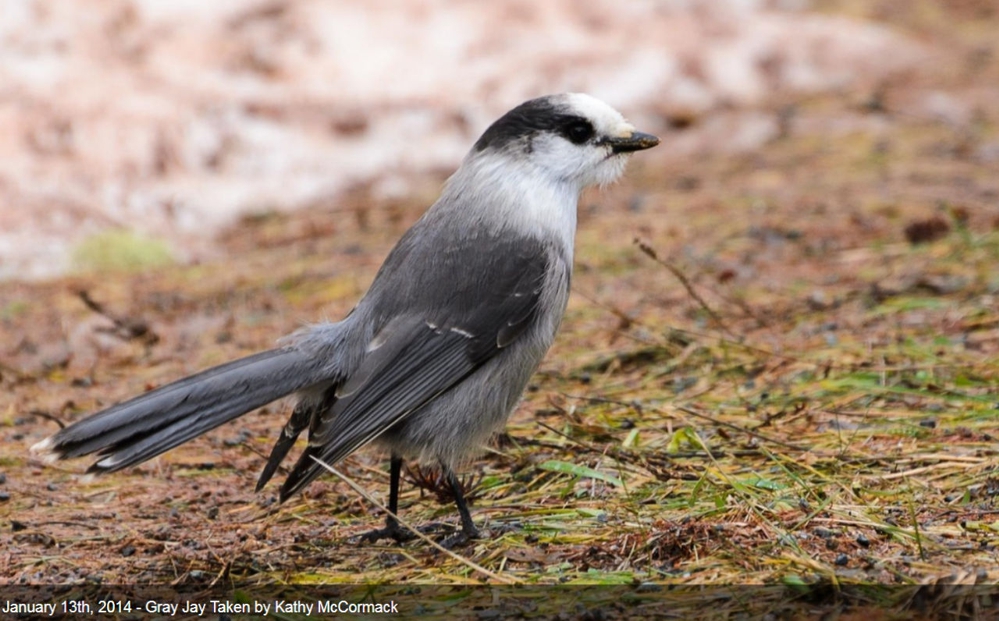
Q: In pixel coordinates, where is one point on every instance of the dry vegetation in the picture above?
(791, 380)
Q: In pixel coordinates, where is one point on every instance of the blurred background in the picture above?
(815, 292)
(172, 120)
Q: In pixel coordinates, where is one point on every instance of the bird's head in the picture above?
(571, 137)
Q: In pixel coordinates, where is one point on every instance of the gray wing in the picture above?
(423, 351)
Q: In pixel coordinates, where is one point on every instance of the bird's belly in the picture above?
(455, 425)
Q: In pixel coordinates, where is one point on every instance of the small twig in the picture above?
(743, 430)
(716, 452)
(621, 455)
(651, 253)
(125, 328)
(569, 438)
(364, 494)
(66, 523)
(223, 573)
(624, 321)
(736, 340)
(634, 404)
(47, 416)
(915, 522)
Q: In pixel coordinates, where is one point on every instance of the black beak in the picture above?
(637, 141)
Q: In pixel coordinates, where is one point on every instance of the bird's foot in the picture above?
(391, 531)
(502, 528)
(461, 538)
(394, 531)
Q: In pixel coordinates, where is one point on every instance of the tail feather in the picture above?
(302, 417)
(299, 420)
(306, 470)
(145, 426)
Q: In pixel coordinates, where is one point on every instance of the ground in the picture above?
(778, 367)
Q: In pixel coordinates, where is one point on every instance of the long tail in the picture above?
(143, 427)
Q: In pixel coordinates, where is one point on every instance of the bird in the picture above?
(436, 355)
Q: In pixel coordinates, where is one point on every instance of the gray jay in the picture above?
(435, 356)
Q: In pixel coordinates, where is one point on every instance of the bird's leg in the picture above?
(468, 530)
(395, 469)
(392, 529)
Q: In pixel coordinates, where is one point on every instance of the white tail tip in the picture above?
(44, 450)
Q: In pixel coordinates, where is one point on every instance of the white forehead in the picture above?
(606, 120)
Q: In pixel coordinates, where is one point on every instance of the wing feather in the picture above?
(422, 352)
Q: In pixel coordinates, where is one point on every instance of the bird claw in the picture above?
(400, 535)
(460, 538)
(393, 531)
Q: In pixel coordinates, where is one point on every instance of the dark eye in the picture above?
(578, 131)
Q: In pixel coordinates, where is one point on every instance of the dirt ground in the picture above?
(778, 367)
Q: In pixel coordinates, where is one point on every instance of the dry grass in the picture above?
(798, 388)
